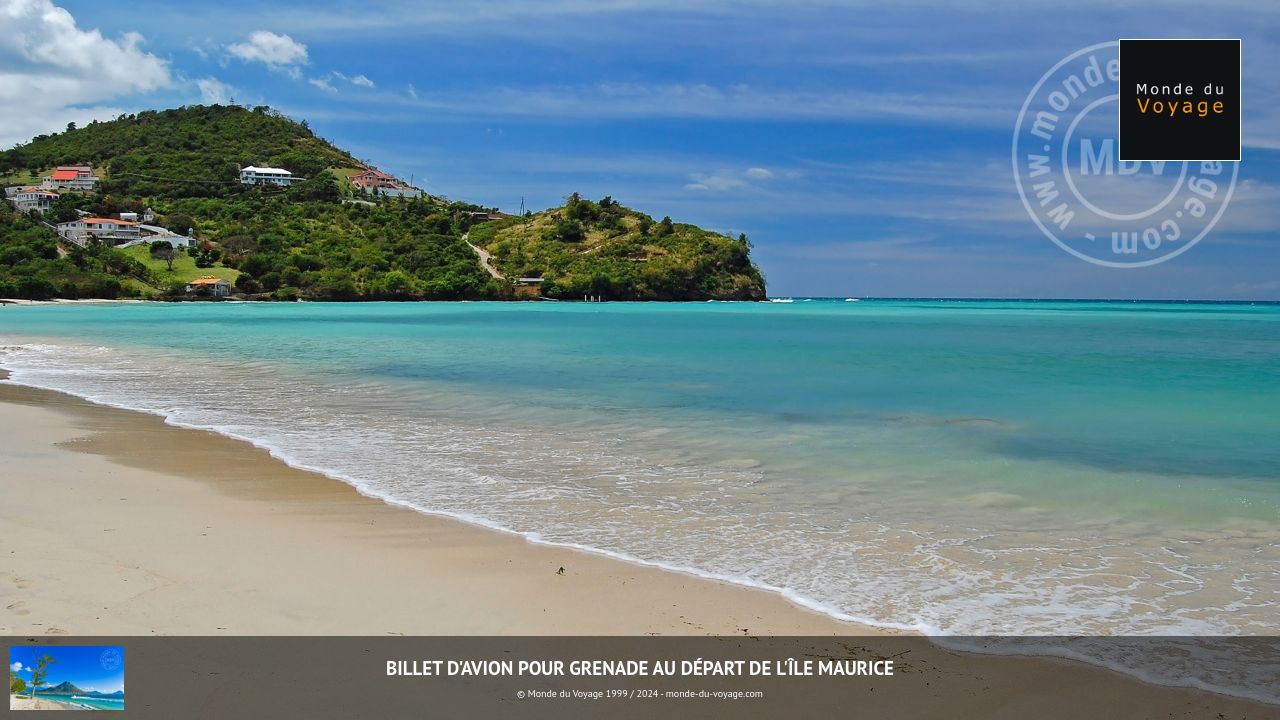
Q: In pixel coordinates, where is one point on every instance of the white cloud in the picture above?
(722, 180)
(52, 72)
(15, 667)
(984, 106)
(278, 52)
(324, 84)
(413, 91)
(215, 92)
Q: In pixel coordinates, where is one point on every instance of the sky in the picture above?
(864, 147)
(85, 666)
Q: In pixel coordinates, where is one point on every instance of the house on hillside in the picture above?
(267, 176)
(479, 217)
(209, 287)
(371, 179)
(70, 177)
(32, 198)
(105, 230)
(153, 233)
(377, 182)
(528, 287)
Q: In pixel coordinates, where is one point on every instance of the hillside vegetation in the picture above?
(604, 249)
(318, 240)
(187, 152)
(32, 265)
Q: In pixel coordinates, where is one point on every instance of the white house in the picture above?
(108, 230)
(153, 233)
(32, 198)
(266, 176)
(211, 286)
(71, 177)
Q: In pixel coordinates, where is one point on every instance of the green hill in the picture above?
(602, 248)
(186, 152)
(316, 239)
(63, 688)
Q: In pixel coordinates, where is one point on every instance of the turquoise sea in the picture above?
(954, 467)
(85, 702)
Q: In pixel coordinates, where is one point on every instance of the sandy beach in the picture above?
(161, 530)
(128, 526)
(38, 703)
(21, 302)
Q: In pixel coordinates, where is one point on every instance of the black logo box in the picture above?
(1185, 67)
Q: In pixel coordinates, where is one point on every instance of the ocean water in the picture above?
(951, 467)
(85, 702)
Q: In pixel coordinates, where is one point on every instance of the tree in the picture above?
(40, 673)
(36, 288)
(569, 231)
(666, 227)
(64, 209)
(321, 187)
(16, 684)
(247, 284)
(179, 223)
(163, 250)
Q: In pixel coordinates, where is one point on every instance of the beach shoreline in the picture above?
(22, 302)
(240, 484)
(151, 529)
(40, 703)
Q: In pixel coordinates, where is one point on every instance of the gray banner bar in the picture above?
(672, 677)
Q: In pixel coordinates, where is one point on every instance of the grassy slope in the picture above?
(184, 267)
(21, 177)
(342, 176)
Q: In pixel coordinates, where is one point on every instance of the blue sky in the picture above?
(82, 666)
(863, 148)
